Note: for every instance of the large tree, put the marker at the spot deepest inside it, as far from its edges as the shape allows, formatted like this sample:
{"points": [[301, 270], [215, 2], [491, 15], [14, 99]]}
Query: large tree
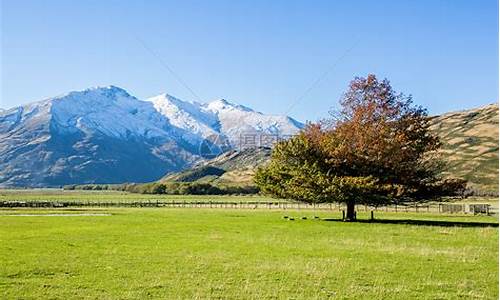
{"points": [[377, 149]]}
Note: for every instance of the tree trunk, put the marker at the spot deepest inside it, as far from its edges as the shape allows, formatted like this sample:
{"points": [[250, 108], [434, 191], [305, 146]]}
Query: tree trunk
{"points": [[351, 214]]}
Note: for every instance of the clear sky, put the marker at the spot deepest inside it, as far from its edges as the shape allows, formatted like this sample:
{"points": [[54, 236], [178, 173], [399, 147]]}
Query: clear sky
{"points": [[279, 57]]}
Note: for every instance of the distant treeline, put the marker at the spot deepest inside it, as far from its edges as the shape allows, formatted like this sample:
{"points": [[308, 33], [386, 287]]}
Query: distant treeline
{"points": [[196, 188], [170, 188]]}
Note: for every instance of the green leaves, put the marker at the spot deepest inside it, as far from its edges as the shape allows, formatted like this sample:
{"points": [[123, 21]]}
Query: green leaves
{"points": [[375, 150]]}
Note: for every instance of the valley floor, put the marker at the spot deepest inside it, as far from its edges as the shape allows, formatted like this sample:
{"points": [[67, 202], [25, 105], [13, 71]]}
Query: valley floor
{"points": [[141, 253]]}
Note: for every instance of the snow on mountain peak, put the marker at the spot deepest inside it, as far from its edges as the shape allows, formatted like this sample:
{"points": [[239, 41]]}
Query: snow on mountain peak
{"points": [[222, 118], [109, 110], [113, 112], [224, 105], [189, 116], [110, 92], [107, 131]]}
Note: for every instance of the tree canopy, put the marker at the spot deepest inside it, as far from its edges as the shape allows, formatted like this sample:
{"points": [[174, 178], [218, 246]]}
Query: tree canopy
{"points": [[376, 149]]}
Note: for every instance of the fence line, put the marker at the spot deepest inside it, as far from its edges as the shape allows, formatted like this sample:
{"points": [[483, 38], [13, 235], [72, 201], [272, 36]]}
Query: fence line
{"points": [[416, 208]]}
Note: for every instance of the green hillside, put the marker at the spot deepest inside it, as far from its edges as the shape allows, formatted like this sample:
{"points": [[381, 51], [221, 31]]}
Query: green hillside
{"points": [[470, 148], [470, 145], [233, 167]]}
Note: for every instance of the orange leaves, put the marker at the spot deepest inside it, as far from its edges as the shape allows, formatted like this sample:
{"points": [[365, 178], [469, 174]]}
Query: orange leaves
{"points": [[372, 150]]}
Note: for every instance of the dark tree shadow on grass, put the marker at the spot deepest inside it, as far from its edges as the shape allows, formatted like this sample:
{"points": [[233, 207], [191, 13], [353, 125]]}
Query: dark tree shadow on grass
{"points": [[421, 222]]}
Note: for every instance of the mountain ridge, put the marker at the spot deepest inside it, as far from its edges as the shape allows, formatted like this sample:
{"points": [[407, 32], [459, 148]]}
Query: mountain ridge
{"points": [[104, 135], [222, 118]]}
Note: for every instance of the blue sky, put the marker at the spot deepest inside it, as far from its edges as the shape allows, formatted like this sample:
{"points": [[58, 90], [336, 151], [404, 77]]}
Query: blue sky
{"points": [[279, 57]]}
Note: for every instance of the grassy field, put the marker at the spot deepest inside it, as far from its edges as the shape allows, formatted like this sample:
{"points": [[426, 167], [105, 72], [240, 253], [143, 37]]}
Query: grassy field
{"points": [[242, 254], [58, 195], [116, 196]]}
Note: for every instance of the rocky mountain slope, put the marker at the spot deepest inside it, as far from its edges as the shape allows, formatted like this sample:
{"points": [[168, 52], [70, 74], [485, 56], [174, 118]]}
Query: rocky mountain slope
{"points": [[105, 135]]}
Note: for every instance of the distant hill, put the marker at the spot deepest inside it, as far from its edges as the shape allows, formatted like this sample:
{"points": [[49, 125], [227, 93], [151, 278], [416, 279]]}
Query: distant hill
{"points": [[233, 167], [470, 147]]}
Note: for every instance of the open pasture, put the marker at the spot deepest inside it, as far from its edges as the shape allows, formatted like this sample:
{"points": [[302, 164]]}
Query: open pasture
{"points": [[58, 195], [245, 254], [118, 198]]}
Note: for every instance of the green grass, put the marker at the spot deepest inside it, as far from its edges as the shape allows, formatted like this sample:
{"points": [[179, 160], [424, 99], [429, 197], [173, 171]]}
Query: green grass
{"points": [[116, 196], [58, 195], [242, 254]]}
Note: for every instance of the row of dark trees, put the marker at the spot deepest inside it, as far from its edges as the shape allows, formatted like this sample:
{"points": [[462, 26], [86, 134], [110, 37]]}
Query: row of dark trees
{"points": [[377, 149], [170, 188]]}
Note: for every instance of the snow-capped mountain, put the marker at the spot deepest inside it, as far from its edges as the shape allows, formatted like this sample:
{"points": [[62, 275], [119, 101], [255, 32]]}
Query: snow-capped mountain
{"points": [[105, 135], [95, 135], [186, 115], [220, 117]]}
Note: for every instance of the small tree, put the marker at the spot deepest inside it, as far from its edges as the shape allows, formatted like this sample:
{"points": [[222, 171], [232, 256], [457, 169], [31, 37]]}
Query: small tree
{"points": [[377, 149]]}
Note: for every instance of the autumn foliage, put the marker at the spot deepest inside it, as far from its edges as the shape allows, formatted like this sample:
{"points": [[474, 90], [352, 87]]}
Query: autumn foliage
{"points": [[376, 149]]}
